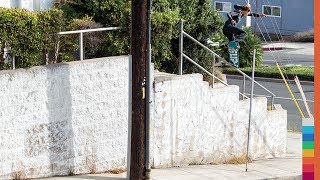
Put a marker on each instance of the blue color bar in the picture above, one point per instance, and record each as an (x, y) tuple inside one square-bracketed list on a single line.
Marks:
[(308, 137), (308, 129)]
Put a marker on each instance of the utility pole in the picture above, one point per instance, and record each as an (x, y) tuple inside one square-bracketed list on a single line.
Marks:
[(139, 54)]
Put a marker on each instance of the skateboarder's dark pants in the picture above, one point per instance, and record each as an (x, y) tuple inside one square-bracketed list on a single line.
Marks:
[(230, 30)]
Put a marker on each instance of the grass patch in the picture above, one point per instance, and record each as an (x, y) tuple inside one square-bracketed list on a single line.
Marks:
[(238, 160), (19, 175), (117, 171), (235, 160), (305, 73)]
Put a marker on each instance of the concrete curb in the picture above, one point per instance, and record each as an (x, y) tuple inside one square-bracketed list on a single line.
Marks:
[(272, 48), (299, 177)]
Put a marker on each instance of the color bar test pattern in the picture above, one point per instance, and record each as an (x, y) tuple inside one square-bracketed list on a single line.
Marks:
[(308, 149)]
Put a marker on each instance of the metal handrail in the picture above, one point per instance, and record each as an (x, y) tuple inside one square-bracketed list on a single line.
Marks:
[(244, 74), (182, 55), (199, 43), (210, 74), (89, 30), (283, 98), (82, 55), (215, 54)]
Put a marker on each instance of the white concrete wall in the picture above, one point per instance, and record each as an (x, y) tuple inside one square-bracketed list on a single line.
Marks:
[(197, 124), (64, 118), (73, 118)]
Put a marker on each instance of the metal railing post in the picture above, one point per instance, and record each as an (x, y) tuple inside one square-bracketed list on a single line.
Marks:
[(251, 105), (13, 62), (272, 102), (81, 46), (244, 87), (181, 48), (213, 65)]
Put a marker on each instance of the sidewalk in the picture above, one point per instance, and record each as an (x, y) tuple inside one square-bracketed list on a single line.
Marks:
[(294, 47), (284, 168)]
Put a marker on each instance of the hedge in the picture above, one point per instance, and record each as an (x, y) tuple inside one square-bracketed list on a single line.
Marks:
[(30, 35)]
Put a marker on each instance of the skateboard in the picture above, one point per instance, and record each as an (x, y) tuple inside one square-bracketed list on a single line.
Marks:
[(234, 58)]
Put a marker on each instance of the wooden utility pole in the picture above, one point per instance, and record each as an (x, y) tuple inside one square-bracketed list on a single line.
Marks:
[(139, 54)]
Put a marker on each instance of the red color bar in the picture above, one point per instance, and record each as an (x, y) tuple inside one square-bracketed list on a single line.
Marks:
[(308, 168)]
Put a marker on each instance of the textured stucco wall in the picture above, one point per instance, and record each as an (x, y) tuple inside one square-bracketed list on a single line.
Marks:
[(197, 124), (64, 118), (73, 118)]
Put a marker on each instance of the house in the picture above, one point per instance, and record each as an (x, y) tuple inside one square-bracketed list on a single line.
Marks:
[(31, 5), (286, 16)]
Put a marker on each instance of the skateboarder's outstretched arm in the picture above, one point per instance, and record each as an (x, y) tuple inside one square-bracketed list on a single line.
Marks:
[(256, 15)]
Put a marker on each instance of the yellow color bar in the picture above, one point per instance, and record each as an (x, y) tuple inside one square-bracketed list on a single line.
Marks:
[(289, 89), (308, 153)]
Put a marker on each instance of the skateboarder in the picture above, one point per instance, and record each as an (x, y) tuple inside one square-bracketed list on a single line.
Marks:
[(230, 30)]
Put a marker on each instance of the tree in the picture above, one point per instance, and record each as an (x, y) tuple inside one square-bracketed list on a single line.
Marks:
[(114, 13), (200, 21)]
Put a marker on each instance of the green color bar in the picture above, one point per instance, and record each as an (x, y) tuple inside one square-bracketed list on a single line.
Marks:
[(308, 145)]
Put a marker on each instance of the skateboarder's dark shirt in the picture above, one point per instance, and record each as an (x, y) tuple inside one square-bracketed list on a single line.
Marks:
[(237, 15)]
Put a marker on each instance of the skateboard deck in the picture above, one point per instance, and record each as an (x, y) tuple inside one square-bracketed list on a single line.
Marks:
[(233, 48)]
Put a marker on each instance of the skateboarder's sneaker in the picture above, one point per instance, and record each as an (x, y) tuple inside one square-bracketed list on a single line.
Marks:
[(232, 64), (224, 43)]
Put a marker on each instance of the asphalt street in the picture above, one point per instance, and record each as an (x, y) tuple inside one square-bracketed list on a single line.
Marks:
[(285, 57), (291, 53), (280, 90)]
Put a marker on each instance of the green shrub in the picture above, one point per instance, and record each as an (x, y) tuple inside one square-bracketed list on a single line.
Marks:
[(201, 21), (51, 22), (30, 35), (247, 45), (165, 28), (106, 12), (109, 14)]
